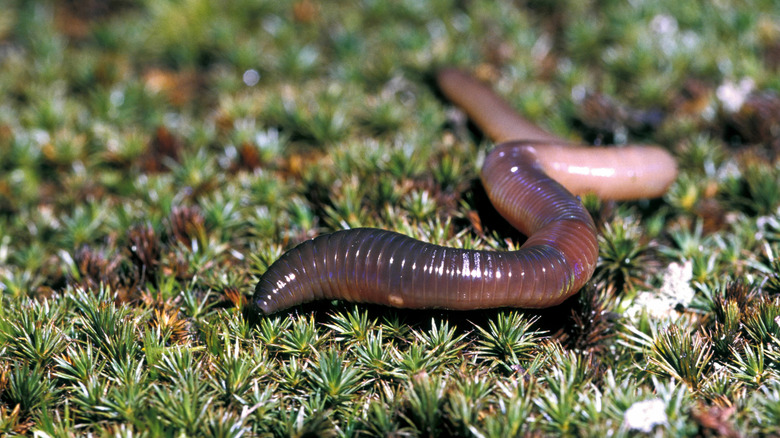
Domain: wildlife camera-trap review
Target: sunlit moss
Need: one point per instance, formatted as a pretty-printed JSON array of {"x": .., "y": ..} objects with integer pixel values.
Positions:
[{"x": 157, "y": 156}]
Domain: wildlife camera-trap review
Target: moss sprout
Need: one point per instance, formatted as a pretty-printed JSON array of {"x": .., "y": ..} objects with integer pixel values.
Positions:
[{"x": 157, "y": 156}]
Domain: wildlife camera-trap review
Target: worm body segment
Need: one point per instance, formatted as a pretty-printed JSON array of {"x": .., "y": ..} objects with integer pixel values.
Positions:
[
  {"x": 526, "y": 181},
  {"x": 487, "y": 110},
  {"x": 383, "y": 267}
]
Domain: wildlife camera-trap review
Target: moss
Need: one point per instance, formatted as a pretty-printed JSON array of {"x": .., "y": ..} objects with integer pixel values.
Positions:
[{"x": 157, "y": 156}]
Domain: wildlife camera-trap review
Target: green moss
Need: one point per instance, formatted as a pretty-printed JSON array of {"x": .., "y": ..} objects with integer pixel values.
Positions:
[{"x": 146, "y": 183}]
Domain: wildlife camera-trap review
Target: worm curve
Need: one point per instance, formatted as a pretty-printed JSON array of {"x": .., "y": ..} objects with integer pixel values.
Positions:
[{"x": 530, "y": 178}]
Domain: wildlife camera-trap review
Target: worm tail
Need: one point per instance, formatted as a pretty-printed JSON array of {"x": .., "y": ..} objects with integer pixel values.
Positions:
[
  {"x": 499, "y": 121},
  {"x": 628, "y": 172}
]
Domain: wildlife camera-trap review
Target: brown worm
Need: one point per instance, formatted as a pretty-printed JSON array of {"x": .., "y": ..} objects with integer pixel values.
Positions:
[{"x": 383, "y": 267}]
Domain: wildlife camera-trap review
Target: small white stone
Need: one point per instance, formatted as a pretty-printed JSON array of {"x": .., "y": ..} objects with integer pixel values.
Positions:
[
  {"x": 732, "y": 95},
  {"x": 663, "y": 24},
  {"x": 677, "y": 283},
  {"x": 251, "y": 77},
  {"x": 645, "y": 415},
  {"x": 675, "y": 291}
]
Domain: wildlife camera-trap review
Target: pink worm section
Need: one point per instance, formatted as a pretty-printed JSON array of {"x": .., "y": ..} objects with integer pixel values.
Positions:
[
  {"x": 619, "y": 173},
  {"x": 530, "y": 181}
]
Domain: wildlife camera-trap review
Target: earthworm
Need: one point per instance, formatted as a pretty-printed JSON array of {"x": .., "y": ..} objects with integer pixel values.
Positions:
[{"x": 526, "y": 180}]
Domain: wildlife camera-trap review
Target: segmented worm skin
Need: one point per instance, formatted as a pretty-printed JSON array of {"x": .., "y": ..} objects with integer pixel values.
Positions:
[{"x": 559, "y": 257}]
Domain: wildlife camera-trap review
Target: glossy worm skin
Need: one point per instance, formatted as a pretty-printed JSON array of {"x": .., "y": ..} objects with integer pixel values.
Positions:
[
  {"x": 559, "y": 257},
  {"x": 619, "y": 173}
]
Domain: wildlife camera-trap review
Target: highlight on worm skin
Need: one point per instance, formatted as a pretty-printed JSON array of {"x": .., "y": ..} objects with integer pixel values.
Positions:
[{"x": 527, "y": 183}]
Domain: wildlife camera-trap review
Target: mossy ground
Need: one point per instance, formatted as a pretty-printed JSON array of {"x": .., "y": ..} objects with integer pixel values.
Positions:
[{"x": 157, "y": 155}]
